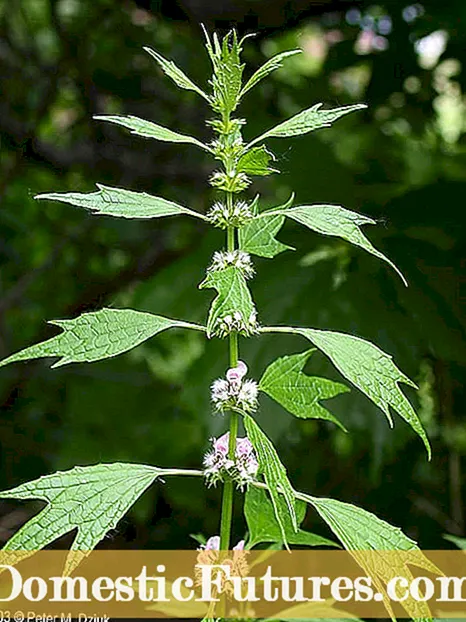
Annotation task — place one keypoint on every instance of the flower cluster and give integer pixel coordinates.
(237, 323)
(229, 182)
(223, 216)
(242, 469)
(232, 392)
(213, 544)
(236, 259)
(209, 554)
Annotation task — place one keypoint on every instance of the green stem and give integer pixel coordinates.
(227, 499)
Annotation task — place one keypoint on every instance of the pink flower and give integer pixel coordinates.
(217, 464)
(213, 544)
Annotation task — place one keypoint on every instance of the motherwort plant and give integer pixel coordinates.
(93, 499)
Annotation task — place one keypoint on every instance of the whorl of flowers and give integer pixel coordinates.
(236, 259)
(232, 392)
(223, 216)
(235, 322)
(209, 555)
(243, 469)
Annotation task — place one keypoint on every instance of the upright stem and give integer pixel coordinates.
(227, 499)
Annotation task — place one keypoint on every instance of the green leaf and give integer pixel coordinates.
(370, 369)
(90, 499)
(459, 542)
(175, 73)
(307, 121)
(233, 297)
(141, 127)
(256, 162)
(122, 203)
(338, 221)
(275, 477)
(284, 381)
(360, 530)
(228, 72)
(263, 526)
(271, 65)
(98, 335)
(258, 236)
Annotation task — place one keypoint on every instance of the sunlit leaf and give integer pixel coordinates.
(90, 499)
(147, 129)
(271, 65)
(359, 530)
(307, 121)
(175, 73)
(369, 368)
(338, 221)
(122, 203)
(98, 335)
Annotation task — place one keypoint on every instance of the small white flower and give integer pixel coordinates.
(236, 323)
(217, 464)
(237, 259)
(248, 395)
(223, 216)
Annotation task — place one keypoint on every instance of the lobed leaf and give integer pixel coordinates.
(121, 203)
(90, 499)
(263, 526)
(340, 222)
(258, 236)
(370, 369)
(299, 394)
(98, 335)
(256, 162)
(275, 477)
(271, 65)
(147, 129)
(307, 121)
(233, 297)
(360, 530)
(175, 73)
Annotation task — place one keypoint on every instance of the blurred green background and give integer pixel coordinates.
(403, 161)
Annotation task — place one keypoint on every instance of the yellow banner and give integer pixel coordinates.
(59, 585)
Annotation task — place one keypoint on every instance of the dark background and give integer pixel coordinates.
(402, 162)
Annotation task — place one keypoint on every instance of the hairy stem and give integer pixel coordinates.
(227, 499)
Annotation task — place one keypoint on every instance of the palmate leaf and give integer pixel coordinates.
(98, 335)
(90, 499)
(307, 121)
(122, 203)
(369, 368)
(233, 297)
(263, 526)
(275, 477)
(147, 129)
(256, 162)
(359, 530)
(271, 65)
(258, 236)
(175, 73)
(299, 394)
(338, 221)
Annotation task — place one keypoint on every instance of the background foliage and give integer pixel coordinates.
(403, 162)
